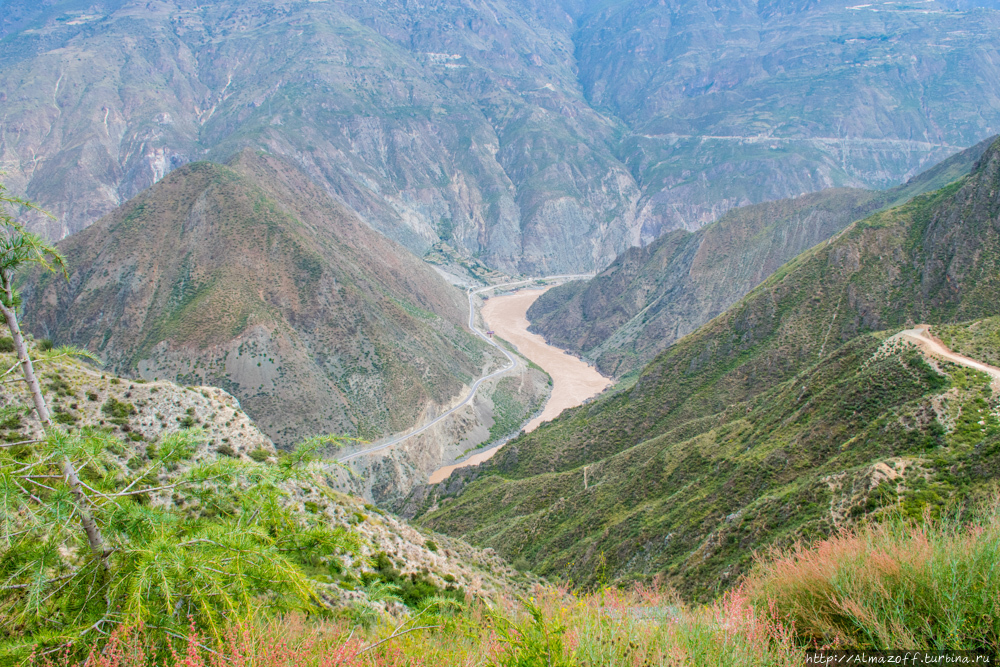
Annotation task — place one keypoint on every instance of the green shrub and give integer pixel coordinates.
(227, 450)
(45, 345)
(414, 590)
(534, 642)
(158, 555)
(6, 344)
(10, 420)
(65, 418)
(116, 409)
(260, 455)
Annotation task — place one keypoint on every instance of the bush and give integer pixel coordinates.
(229, 545)
(260, 455)
(6, 344)
(414, 590)
(45, 345)
(64, 418)
(227, 450)
(116, 409)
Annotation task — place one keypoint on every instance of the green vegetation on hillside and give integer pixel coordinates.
(245, 277)
(977, 340)
(206, 547)
(924, 585)
(651, 297)
(790, 415)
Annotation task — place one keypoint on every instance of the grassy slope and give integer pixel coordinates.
(773, 421)
(978, 340)
(249, 277)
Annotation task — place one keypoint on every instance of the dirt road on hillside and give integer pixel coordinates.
(921, 336)
(573, 381)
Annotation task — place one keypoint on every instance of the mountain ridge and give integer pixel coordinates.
(535, 138)
(650, 297)
(250, 277)
(792, 414)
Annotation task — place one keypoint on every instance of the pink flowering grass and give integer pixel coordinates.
(890, 585)
(895, 585)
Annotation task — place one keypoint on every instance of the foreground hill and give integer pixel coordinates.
(193, 504)
(790, 414)
(652, 296)
(538, 137)
(248, 277)
(387, 593)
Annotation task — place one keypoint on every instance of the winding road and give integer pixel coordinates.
(511, 364)
(921, 336)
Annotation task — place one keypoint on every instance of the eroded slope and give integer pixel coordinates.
(249, 277)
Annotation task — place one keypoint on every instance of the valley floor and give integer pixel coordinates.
(573, 380)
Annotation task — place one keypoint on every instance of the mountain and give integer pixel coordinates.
(458, 121)
(534, 137)
(650, 297)
(790, 415)
(740, 102)
(249, 277)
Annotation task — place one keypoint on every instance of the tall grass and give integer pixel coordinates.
(897, 585)
(609, 628)
(894, 585)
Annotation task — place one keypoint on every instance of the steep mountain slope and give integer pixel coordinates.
(537, 137)
(740, 102)
(460, 121)
(249, 277)
(650, 297)
(790, 413)
(141, 415)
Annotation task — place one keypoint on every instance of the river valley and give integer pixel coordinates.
(573, 380)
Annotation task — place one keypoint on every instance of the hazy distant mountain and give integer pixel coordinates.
(455, 120)
(249, 277)
(738, 102)
(536, 136)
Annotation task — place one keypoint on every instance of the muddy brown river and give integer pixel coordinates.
(573, 381)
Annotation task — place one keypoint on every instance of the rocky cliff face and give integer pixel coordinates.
(462, 121)
(650, 297)
(538, 137)
(250, 278)
(742, 102)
